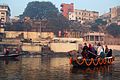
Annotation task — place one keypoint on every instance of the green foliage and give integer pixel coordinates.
(94, 27)
(17, 26)
(100, 22)
(114, 30)
(46, 10)
(39, 10)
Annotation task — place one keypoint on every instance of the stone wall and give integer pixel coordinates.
(63, 47)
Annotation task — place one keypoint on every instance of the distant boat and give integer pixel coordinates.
(8, 56)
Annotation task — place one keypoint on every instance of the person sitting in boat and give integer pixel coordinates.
(109, 54)
(106, 49)
(84, 51)
(91, 51)
(100, 51)
(73, 53)
(7, 52)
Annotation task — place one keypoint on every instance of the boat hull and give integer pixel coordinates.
(81, 62)
(8, 56)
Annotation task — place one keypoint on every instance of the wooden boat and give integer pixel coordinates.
(82, 62)
(9, 55)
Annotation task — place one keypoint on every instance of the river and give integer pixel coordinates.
(46, 67)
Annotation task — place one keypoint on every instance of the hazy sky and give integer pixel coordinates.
(17, 6)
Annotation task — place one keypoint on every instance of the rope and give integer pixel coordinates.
(104, 61)
(110, 61)
(88, 64)
(99, 61)
(94, 62)
(81, 62)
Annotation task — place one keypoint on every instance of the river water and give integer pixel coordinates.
(46, 67)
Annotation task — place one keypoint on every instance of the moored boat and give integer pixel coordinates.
(9, 55)
(82, 62)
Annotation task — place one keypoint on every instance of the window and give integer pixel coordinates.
(96, 38)
(75, 12)
(91, 38)
(2, 19)
(2, 13)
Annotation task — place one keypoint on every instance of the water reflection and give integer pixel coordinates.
(54, 68)
(94, 73)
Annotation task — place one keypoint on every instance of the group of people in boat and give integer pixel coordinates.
(92, 51)
(95, 51)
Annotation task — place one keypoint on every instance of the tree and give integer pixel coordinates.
(114, 30)
(94, 27)
(48, 11)
(39, 10)
(100, 22)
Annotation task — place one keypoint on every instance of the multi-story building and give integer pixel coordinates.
(66, 8)
(4, 13)
(115, 11)
(83, 15)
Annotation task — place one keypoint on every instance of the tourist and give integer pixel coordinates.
(7, 52)
(100, 51)
(91, 51)
(90, 47)
(84, 52)
(95, 46)
(106, 49)
(109, 54)
(85, 47)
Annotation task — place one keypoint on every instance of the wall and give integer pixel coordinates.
(114, 47)
(35, 36)
(63, 47)
(31, 48)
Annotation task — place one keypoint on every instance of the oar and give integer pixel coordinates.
(92, 53)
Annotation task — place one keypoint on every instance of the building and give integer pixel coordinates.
(4, 13)
(39, 25)
(66, 8)
(83, 15)
(15, 19)
(2, 33)
(115, 11)
(73, 34)
(35, 36)
(94, 37)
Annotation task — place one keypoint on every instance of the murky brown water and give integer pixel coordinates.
(54, 68)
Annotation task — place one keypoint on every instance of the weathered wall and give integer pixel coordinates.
(31, 48)
(35, 36)
(63, 47)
